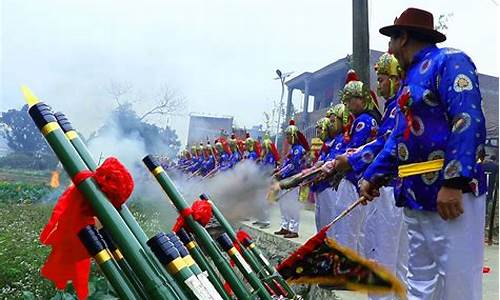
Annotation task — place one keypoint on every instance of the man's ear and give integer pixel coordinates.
(403, 39)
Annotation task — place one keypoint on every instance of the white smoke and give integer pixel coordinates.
(240, 193)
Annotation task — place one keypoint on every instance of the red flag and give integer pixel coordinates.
(323, 261)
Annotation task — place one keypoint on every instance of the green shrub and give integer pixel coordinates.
(32, 161)
(22, 255)
(21, 192)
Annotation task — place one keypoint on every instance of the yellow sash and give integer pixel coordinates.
(420, 168)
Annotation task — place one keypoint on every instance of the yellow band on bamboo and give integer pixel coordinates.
(157, 170)
(71, 134)
(117, 254)
(176, 265)
(232, 251)
(420, 168)
(49, 127)
(251, 246)
(189, 260)
(102, 257)
(191, 245)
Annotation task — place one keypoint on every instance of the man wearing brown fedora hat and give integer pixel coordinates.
(436, 150)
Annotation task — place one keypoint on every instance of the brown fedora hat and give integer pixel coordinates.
(415, 20)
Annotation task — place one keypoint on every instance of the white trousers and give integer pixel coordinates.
(325, 207)
(290, 208)
(446, 257)
(263, 213)
(347, 231)
(385, 238)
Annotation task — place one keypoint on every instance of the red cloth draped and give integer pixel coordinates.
(201, 211)
(69, 260)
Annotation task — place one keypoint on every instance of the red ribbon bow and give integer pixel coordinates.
(201, 211)
(69, 260)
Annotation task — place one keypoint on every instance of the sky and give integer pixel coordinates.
(221, 56)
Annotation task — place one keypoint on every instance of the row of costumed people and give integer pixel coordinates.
(421, 163)
(206, 159)
(353, 133)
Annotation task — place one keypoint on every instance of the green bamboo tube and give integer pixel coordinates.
(72, 135)
(97, 249)
(107, 214)
(181, 205)
(253, 256)
(203, 263)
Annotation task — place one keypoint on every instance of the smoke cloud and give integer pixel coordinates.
(239, 192)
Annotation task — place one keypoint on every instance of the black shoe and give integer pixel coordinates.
(291, 235)
(282, 231)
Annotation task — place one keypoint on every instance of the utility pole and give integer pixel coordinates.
(361, 40)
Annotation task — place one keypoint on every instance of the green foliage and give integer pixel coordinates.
(21, 254)
(28, 160)
(22, 134)
(129, 125)
(21, 192)
(22, 217)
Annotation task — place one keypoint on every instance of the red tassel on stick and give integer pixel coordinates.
(68, 259)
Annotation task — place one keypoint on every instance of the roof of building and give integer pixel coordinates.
(333, 76)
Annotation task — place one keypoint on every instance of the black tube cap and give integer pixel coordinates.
(41, 114)
(63, 122)
(163, 249)
(91, 239)
(225, 242)
(247, 241)
(184, 236)
(107, 238)
(150, 162)
(178, 244)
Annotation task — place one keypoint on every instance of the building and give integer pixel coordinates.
(322, 87)
(206, 127)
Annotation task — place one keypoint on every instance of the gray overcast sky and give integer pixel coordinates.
(220, 55)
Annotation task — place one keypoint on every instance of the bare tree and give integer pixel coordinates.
(166, 103)
(271, 117)
(118, 89)
(442, 23)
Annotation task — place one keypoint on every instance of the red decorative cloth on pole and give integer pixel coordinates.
(69, 260)
(323, 261)
(200, 210)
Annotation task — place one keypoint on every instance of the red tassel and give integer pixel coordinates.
(258, 148)
(308, 247)
(404, 103)
(115, 181)
(351, 76)
(69, 260)
(228, 289)
(275, 152)
(347, 128)
(242, 235)
(292, 122)
(303, 141)
(200, 210)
